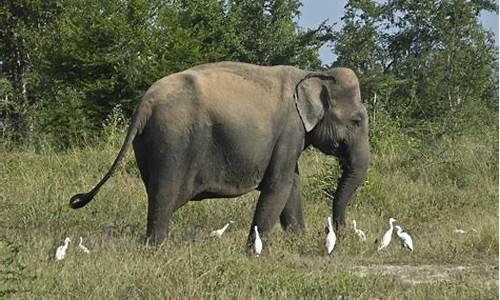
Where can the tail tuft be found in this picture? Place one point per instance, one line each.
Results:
(80, 200)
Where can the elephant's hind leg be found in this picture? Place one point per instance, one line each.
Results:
(164, 197)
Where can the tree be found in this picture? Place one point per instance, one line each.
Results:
(433, 58)
(95, 55)
(16, 19)
(267, 33)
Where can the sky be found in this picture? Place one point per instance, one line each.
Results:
(313, 12)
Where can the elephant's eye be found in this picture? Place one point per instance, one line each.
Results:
(356, 121)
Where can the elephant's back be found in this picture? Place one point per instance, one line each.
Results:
(224, 93)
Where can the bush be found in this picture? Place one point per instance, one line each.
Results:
(63, 121)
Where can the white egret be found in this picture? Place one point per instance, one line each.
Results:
(82, 247)
(258, 242)
(386, 238)
(461, 231)
(330, 237)
(218, 233)
(405, 238)
(61, 250)
(361, 235)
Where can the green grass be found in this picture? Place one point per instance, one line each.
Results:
(430, 188)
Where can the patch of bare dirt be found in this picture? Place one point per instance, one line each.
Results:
(486, 274)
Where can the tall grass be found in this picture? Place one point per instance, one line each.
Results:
(432, 188)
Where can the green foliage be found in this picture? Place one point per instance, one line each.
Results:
(17, 20)
(95, 55)
(64, 122)
(266, 33)
(422, 61)
(425, 66)
(12, 272)
(115, 126)
(100, 50)
(7, 106)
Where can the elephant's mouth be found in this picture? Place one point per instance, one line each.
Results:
(338, 149)
(332, 149)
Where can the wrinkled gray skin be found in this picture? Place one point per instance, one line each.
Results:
(225, 129)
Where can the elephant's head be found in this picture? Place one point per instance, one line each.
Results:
(336, 122)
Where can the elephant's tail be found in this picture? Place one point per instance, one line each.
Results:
(138, 122)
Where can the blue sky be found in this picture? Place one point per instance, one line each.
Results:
(313, 12)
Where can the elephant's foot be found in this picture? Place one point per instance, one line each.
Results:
(155, 239)
(340, 228)
(249, 249)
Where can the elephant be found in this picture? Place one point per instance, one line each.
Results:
(220, 130)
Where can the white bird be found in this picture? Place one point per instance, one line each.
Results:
(258, 242)
(386, 238)
(359, 232)
(218, 233)
(330, 237)
(81, 246)
(405, 238)
(61, 250)
(459, 231)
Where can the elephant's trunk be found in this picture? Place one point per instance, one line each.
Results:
(354, 163)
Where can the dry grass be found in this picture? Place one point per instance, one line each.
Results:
(430, 189)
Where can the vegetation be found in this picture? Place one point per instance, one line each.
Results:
(427, 64)
(423, 186)
(429, 79)
(97, 54)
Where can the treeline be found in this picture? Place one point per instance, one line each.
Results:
(426, 66)
(65, 65)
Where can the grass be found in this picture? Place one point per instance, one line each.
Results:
(430, 188)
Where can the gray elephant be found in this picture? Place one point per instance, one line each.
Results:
(225, 129)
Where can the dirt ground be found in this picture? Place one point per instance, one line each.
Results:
(485, 274)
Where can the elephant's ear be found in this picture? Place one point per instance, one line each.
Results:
(312, 98)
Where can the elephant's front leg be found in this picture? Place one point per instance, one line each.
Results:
(279, 182)
(292, 216)
(271, 203)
